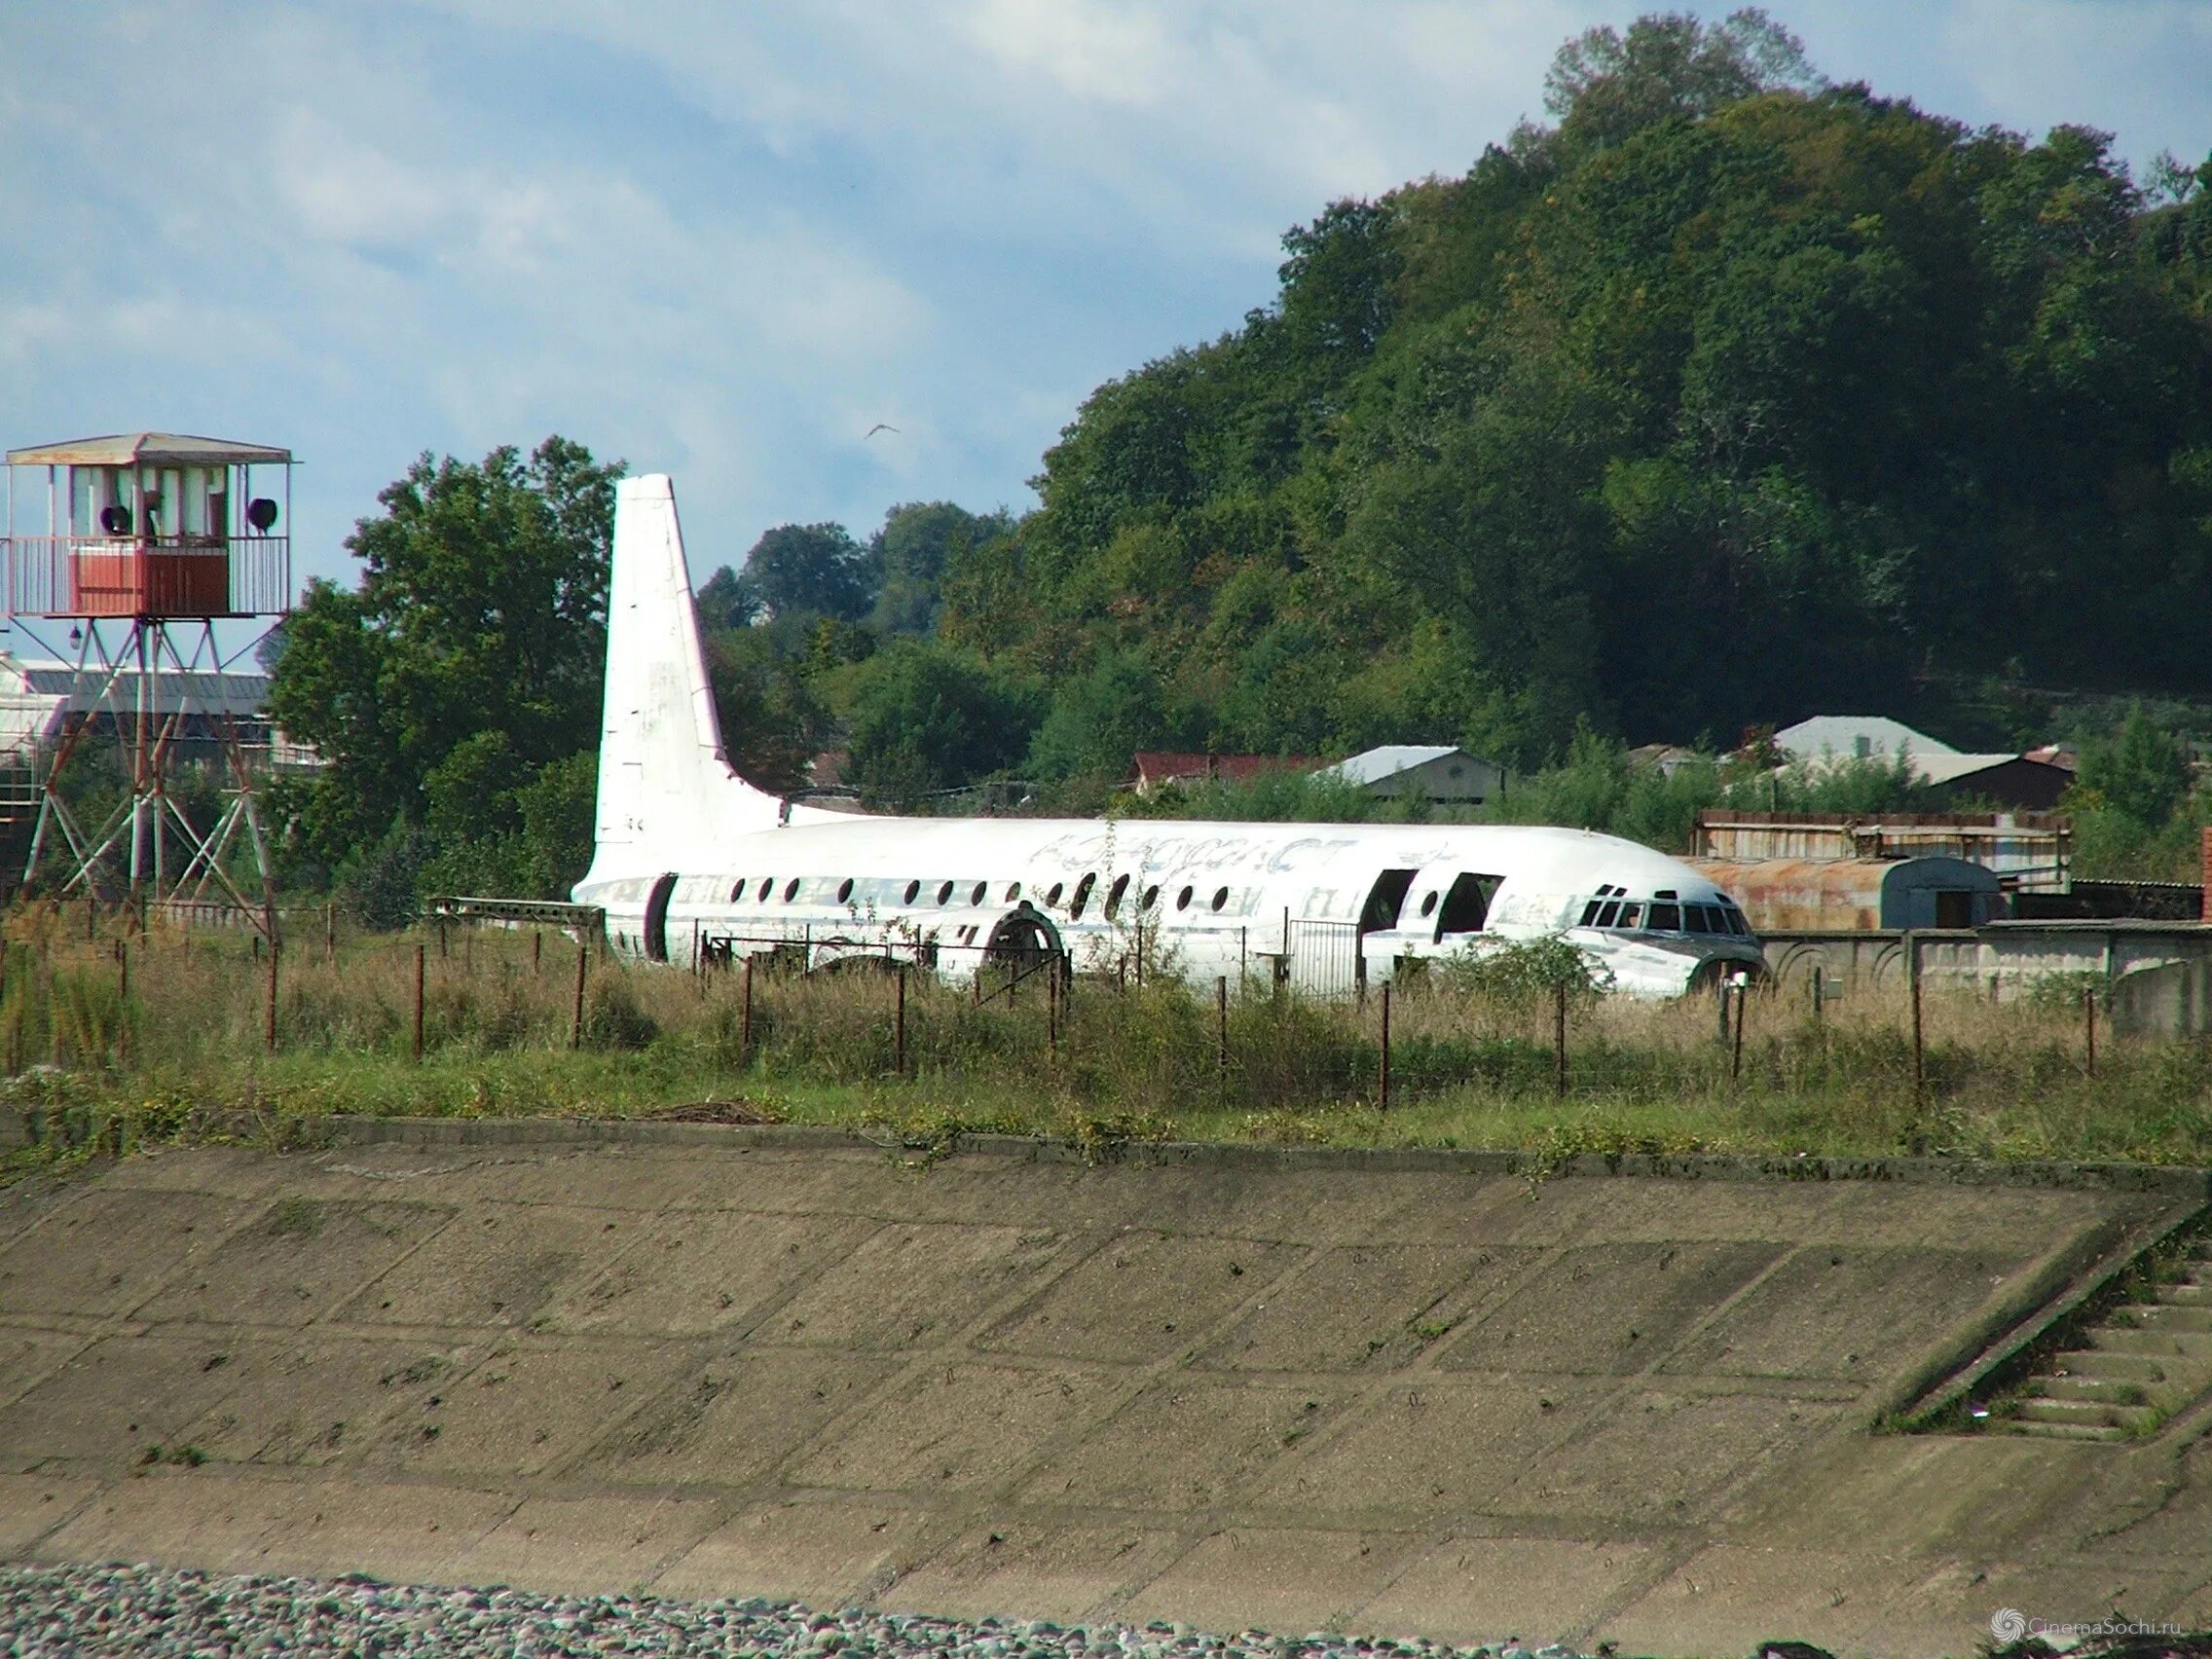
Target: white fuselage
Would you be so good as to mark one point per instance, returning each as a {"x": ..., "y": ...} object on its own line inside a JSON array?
[{"x": 691, "y": 861}]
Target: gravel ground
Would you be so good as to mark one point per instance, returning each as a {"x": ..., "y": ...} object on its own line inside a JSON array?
[{"x": 142, "y": 1610}]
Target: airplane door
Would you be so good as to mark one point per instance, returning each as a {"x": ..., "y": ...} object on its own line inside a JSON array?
[{"x": 656, "y": 919}]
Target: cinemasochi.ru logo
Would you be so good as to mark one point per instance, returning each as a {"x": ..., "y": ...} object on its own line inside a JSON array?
[{"x": 2009, "y": 1624}]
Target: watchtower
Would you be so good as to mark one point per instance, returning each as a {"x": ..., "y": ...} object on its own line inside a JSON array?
[{"x": 150, "y": 539}]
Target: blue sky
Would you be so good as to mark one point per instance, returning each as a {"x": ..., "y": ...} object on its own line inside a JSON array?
[{"x": 724, "y": 241}]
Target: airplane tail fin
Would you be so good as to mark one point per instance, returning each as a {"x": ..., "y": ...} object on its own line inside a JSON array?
[{"x": 666, "y": 792}]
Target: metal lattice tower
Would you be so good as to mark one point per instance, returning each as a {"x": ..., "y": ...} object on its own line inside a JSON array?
[{"x": 150, "y": 539}]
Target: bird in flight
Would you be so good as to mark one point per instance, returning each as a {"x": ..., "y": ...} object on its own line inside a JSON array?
[{"x": 879, "y": 427}]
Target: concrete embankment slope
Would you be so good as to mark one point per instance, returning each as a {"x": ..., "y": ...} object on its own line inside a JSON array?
[{"x": 1410, "y": 1395}]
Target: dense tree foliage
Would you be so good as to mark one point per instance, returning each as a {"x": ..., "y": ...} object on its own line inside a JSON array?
[
  {"x": 465, "y": 664},
  {"x": 1730, "y": 398}
]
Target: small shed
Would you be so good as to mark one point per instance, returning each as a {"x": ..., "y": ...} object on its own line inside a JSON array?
[
  {"x": 1434, "y": 772},
  {"x": 1855, "y": 895}
]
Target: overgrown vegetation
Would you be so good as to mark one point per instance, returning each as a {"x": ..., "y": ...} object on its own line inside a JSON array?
[{"x": 1472, "y": 1057}]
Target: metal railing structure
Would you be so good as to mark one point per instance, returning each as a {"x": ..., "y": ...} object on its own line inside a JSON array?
[{"x": 171, "y": 575}]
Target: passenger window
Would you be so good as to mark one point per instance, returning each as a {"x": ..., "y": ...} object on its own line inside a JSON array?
[
  {"x": 1666, "y": 918},
  {"x": 1052, "y": 895},
  {"x": 1183, "y": 899},
  {"x": 791, "y": 890},
  {"x": 913, "y": 888},
  {"x": 1429, "y": 903},
  {"x": 737, "y": 890},
  {"x": 1114, "y": 896},
  {"x": 944, "y": 893},
  {"x": 768, "y": 886},
  {"x": 979, "y": 893},
  {"x": 1466, "y": 908},
  {"x": 1152, "y": 898},
  {"x": 1220, "y": 897},
  {"x": 845, "y": 891},
  {"x": 1012, "y": 891},
  {"x": 1082, "y": 896}
]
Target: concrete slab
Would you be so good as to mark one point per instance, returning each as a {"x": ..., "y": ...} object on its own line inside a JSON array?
[
  {"x": 1287, "y": 1581},
  {"x": 1608, "y": 1309},
  {"x": 1578, "y": 1210},
  {"x": 699, "y": 1272},
  {"x": 1657, "y": 1459},
  {"x": 28, "y": 1353},
  {"x": 1729, "y": 1599},
  {"x": 119, "y": 1397},
  {"x": 316, "y": 1399},
  {"x": 735, "y": 1422},
  {"x": 1473, "y": 1588},
  {"x": 913, "y": 1286},
  {"x": 1206, "y": 1440},
  {"x": 857, "y": 1181},
  {"x": 1843, "y": 1311},
  {"x": 34, "y": 1505},
  {"x": 585, "y": 1545},
  {"x": 1371, "y": 1307},
  {"x": 1950, "y": 1609},
  {"x": 1968, "y": 1497},
  {"x": 518, "y": 1411},
  {"x": 104, "y": 1252},
  {"x": 222, "y": 1520},
  {"x": 958, "y": 1428},
  {"x": 1431, "y": 1449},
  {"x": 500, "y": 1265},
  {"x": 1140, "y": 1295},
  {"x": 823, "y": 1549},
  {"x": 1025, "y": 1569},
  {"x": 406, "y": 1532},
  {"x": 297, "y": 1260}
]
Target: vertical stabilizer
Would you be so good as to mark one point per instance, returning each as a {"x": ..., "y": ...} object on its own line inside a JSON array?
[{"x": 666, "y": 791}]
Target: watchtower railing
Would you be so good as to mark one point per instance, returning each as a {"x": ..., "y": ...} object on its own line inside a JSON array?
[{"x": 148, "y": 576}]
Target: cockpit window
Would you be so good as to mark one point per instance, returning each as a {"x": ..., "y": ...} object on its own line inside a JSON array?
[
  {"x": 1665, "y": 918},
  {"x": 1608, "y": 914},
  {"x": 1631, "y": 916}
]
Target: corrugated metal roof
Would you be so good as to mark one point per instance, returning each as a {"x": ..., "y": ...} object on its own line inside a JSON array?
[
  {"x": 1876, "y": 736},
  {"x": 1387, "y": 761},
  {"x": 148, "y": 448}
]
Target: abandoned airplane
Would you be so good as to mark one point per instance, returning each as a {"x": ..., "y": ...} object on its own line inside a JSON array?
[{"x": 692, "y": 863}]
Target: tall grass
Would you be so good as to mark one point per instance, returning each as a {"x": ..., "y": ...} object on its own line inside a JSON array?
[{"x": 1472, "y": 1062}]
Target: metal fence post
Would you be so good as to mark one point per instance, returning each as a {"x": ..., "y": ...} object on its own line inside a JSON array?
[
  {"x": 1221, "y": 1031},
  {"x": 899, "y": 1055},
  {"x": 1384, "y": 1096},
  {"x": 2090, "y": 1025},
  {"x": 1559, "y": 1041},
  {"x": 1912, "y": 985},
  {"x": 745, "y": 1018},
  {"x": 268, "y": 1019},
  {"x": 1735, "y": 1057},
  {"x": 420, "y": 952},
  {"x": 576, "y": 1017}
]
